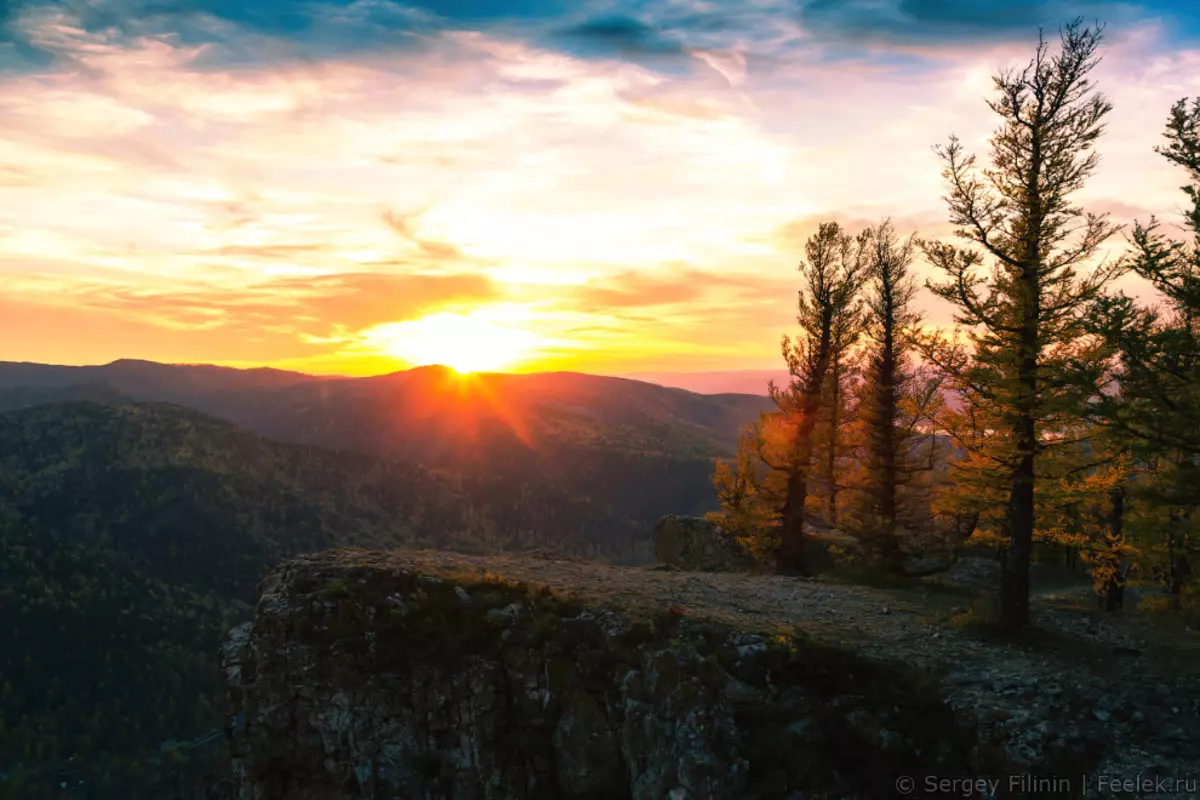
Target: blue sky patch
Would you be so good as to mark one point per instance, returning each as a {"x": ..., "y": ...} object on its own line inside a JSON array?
[{"x": 652, "y": 34}]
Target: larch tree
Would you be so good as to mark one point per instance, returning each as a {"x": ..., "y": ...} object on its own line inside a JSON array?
[
  {"x": 1024, "y": 316},
  {"x": 1153, "y": 401},
  {"x": 887, "y": 430},
  {"x": 827, "y": 308},
  {"x": 1157, "y": 349},
  {"x": 750, "y": 491},
  {"x": 921, "y": 406},
  {"x": 1082, "y": 494},
  {"x": 969, "y": 497},
  {"x": 833, "y": 444},
  {"x": 764, "y": 491}
]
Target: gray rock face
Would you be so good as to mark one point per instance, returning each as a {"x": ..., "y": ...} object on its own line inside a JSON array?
[
  {"x": 393, "y": 676},
  {"x": 695, "y": 544}
]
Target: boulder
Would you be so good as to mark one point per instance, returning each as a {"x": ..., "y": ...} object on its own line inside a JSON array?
[
  {"x": 981, "y": 573},
  {"x": 696, "y": 544}
]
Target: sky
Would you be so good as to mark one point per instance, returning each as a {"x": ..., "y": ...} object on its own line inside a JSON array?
[{"x": 610, "y": 186}]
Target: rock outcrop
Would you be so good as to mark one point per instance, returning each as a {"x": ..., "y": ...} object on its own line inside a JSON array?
[
  {"x": 696, "y": 544},
  {"x": 425, "y": 675}
]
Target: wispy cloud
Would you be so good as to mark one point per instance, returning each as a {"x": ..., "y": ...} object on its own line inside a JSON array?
[{"x": 269, "y": 182}]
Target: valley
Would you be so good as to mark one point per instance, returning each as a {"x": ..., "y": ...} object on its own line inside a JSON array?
[{"x": 135, "y": 525}]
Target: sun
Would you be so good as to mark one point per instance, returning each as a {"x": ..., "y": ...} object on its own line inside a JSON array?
[{"x": 463, "y": 342}]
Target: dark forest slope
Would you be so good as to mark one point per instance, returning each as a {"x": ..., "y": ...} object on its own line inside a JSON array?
[
  {"x": 172, "y": 485},
  {"x": 642, "y": 450},
  {"x": 132, "y": 536}
]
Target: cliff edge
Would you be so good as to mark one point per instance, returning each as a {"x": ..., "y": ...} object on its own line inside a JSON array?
[{"x": 423, "y": 675}]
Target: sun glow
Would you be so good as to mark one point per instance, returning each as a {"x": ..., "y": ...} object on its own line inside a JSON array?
[{"x": 463, "y": 342}]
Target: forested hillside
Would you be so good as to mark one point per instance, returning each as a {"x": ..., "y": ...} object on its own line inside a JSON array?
[
  {"x": 17, "y": 397},
  {"x": 134, "y": 535},
  {"x": 101, "y": 663},
  {"x": 641, "y": 449}
]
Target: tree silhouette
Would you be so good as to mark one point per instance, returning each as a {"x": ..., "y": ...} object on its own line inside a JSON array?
[{"x": 1024, "y": 318}]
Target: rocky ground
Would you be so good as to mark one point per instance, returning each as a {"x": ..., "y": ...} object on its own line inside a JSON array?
[
  {"x": 1085, "y": 698},
  {"x": 1124, "y": 686}
]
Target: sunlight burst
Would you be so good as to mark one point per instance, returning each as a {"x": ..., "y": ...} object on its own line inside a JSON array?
[{"x": 463, "y": 342}]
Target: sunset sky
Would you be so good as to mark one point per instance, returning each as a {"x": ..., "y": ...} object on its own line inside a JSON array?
[{"x": 613, "y": 186}]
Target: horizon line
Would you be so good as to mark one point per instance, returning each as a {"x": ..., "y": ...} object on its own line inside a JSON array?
[{"x": 641, "y": 376}]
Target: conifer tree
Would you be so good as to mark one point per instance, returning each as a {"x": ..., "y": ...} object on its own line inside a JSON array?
[
  {"x": 1024, "y": 318},
  {"x": 774, "y": 470},
  {"x": 1082, "y": 492},
  {"x": 886, "y": 448},
  {"x": 833, "y": 442},
  {"x": 1153, "y": 398},
  {"x": 751, "y": 491},
  {"x": 1155, "y": 395},
  {"x": 827, "y": 312}
]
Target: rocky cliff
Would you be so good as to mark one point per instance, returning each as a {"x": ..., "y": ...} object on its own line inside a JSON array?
[{"x": 422, "y": 675}]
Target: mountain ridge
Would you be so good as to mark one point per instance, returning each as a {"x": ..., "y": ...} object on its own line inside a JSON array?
[
  {"x": 11, "y": 373},
  {"x": 641, "y": 449}
]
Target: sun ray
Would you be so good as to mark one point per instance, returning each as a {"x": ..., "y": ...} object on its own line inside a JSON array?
[{"x": 505, "y": 410}]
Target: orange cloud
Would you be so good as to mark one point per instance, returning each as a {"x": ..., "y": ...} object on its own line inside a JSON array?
[
  {"x": 675, "y": 287},
  {"x": 158, "y": 204},
  {"x": 81, "y": 335},
  {"x": 313, "y": 305}
]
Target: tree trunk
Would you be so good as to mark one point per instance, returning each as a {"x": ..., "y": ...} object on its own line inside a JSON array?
[
  {"x": 790, "y": 557},
  {"x": 1116, "y": 519},
  {"x": 887, "y": 414},
  {"x": 1174, "y": 573},
  {"x": 1014, "y": 583},
  {"x": 831, "y": 461}
]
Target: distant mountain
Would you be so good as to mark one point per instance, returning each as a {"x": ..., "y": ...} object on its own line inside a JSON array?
[
  {"x": 141, "y": 502},
  {"x": 133, "y": 535},
  {"x": 26, "y": 396},
  {"x": 145, "y": 378},
  {"x": 746, "y": 381},
  {"x": 640, "y": 449},
  {"x": 205, "y": 503}
]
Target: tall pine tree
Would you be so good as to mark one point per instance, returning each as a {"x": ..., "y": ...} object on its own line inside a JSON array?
[
  {"x": 1024, "y": 317},
  {"x": 827, "y": 305},
  {"x": 1153, "y": 400},
  {"x": 834, "y": 445},
  {"x": 774, "y": 471},
  {"x": 1155, "y": 396},
  {"x": 887, "y": 437}
]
